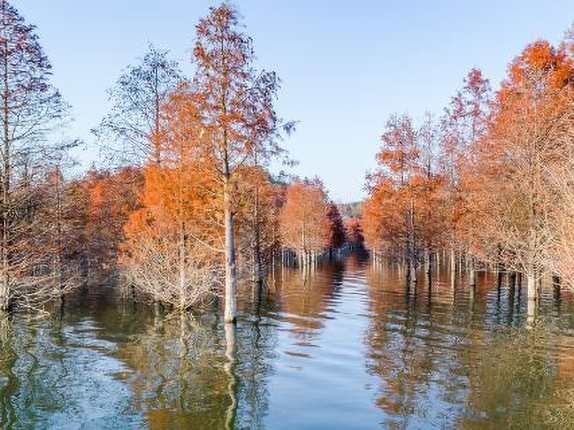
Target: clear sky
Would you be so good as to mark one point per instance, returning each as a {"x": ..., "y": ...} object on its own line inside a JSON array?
[{"x": 345, "y": 65}]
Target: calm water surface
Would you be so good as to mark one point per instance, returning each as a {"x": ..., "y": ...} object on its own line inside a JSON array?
[{"x": 346, "y": 346}]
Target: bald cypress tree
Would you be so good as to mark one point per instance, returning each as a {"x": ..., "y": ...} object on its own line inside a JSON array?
[
  {"x": 30, "y": 107},
  {"x": 133, "y": 132},
  {"x": 239, "y": 117}
]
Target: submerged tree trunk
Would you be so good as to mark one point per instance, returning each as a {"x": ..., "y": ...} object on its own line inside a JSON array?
[
  {"x": 412, "y": 275},
  {"x": 530, "y": 313},
  {"x": 531, "y": 286},
  {"x": 5, "y": 293},
  {"x": 230, "y": 355},
  {"x": 427, "y": 262},
  {"x": 471, "y": 273},
  {"x": 257, "y": 257},
  {"x": 556, "y": 287},
  {"x": 182, "y": 258}
]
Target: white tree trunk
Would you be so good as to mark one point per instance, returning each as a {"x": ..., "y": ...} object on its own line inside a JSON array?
[
  {"x": 230, "y": 315},
  {"x": 531, "y": 287},
  {"x": 4, "y": 295}
]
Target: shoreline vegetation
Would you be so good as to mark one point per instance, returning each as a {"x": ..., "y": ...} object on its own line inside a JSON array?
[
  {"x": 411, "y": 300},
  {"x": 488, "y": 184},
  {"x": 185, "y": 204}
]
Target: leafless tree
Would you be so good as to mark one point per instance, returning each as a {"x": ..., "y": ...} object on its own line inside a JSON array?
[
  {"x": 30, "y": 109},
  {"x": 133, "y": 132}
]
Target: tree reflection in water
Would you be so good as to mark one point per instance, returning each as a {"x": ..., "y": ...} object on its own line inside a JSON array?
[
  {"x": 8, "y": 381},
  {"x": 197, "y": 372},
  {"x": 522, "y": 380},
  {"x": 345, "y": 345},
  {"x": 482, "y": 362},
  {"x": 307, "y": 297}
]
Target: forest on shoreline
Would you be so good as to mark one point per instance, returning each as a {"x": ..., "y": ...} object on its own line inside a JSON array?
[
  {"x": 185, "y": 205},
  {"x": 487, "y": 184}
]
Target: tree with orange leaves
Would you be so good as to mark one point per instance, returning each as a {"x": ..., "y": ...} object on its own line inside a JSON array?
[
  {"x": 110, "y": 199},
  {"x": 238, "y": 115},
  {"x": 354, "y": 233},
  {"x": 170, "y": 254},
  {"x": 304, "y": 222},
  {"x": 391, "y": 208},
  {"x": 530, "y": 137},
  {"x": 381, "y": 218},
  {"x": 464, "y": 124},
  {"x": 174, "y": 241},
  {"x": 257, "y": 221},
  {"x": 404, "y": 213}
]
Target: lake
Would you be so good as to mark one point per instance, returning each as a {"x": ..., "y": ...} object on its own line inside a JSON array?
[{"x": 342, "y": 346}]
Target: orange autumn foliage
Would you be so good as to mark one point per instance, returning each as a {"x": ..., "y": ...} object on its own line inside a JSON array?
[
  {"x": 172, "y": 251},
  {"x": 304, "y": 223},
  {"x": 354, "y": 233},
  {"x": 403, "y": 211}
]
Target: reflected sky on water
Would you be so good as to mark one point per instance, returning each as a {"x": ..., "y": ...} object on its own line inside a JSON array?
[{"x": 344, "y": 346}]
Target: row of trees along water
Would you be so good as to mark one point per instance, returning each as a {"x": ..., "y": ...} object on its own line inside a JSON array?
[
  {"x": 185, "y": 205},
  {"x": 489, "y": 183}
]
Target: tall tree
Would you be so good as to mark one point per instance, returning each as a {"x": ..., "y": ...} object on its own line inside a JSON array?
[
  {"x": 304, "y": 222},
  {"x": 172, "y": 245},
  {"x": 336, "y": 227},
  {"x": 133, "y": 132},
  {"x": 30, "y": 107},
  {"x": 530, "y": 135},
  {"x": 465, "y": 123},
  {"x": 56, "y": 214},
  {"x": 236, "y": 102},
  {"x": 399, "y": 168}
]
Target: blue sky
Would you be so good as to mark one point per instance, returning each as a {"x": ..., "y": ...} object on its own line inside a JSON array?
[{"x": 345, "y": 65}]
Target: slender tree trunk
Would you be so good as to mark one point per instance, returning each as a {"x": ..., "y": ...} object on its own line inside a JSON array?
[
  {"x": 531, "y": 286},
  {"x": 257, "y": 266},
  {"x": 556, "y": 286},
  {"x": 512, "y": 280},
  {"x": 411, "y": 274},
  {"x": 230, "y": 262},
  {"x": 182, "y": 264},
  {"x": 59, "y": 240},
  {"x": 531, "y": 305},
  {"x": 5, "y": 293},
  {"x": 438, "y": 267},
  {"x": 427, "y": 259},
  {"x": 471, "y": 272}
]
